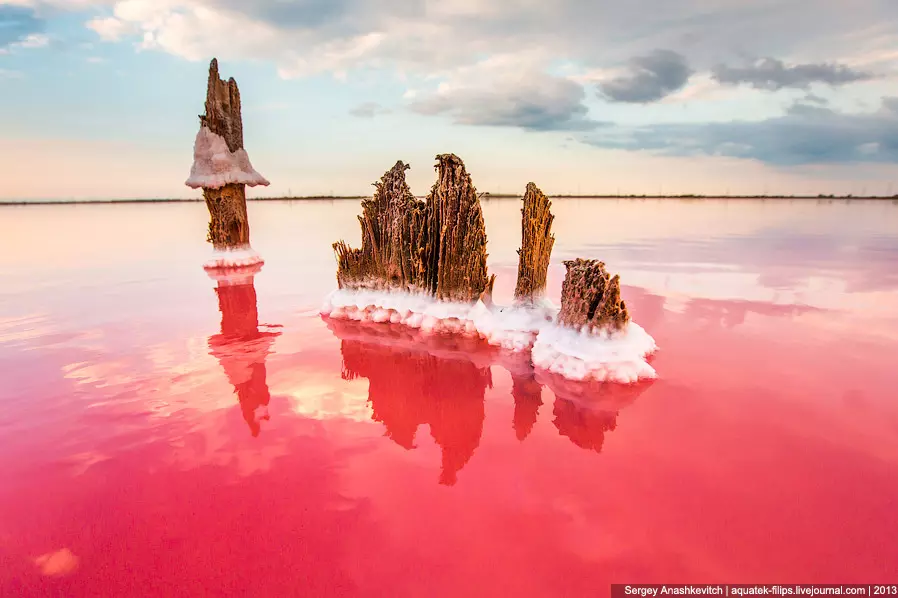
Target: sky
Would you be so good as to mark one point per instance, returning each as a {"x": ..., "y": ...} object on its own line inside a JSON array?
[{"x": 100, "y": 98}]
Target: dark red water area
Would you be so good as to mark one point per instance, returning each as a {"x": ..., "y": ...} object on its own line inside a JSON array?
[{"x": 166, "y": 434}]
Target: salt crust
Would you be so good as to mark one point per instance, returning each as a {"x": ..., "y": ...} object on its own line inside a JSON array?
[
  {"x": 618, "y": 356},
  {"x": 215, "y": 166},
  {"x": 238, "y": 258}
]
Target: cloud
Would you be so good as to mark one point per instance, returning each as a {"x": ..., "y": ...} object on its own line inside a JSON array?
[
  {"x": 773, "y": 74},
  {"x": 19, "y": 26},
  {"x": 33, "y": 40},
  {"x": 508, "y": 91},
  {"x": 815, "y": 99},
  {"x": 649, "y": 79},
  {"x": 368, "y": 110},
  {"x": 110, "y": 29},
  {"x": 304, "y": 37},
  {"x": 805, "y": 134},
  {"x": 890, "y": 104}
]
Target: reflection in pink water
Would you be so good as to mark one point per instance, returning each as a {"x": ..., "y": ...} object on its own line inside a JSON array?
[
  {"x": 160, "y": 439},
  {"x": 242, "y": 348},
  {"x": 441, "y": 381}
]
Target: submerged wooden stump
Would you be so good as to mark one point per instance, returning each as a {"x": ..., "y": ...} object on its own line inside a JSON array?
[
  {"x": 437, "y": 247},
  {"x": 590, "y": 297},
  {"x": 536, "y": 245}
]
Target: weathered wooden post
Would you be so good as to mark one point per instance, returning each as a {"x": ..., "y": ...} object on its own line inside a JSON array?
[
  {"x": 590, "y": 298},
  {"x": 437, "y": 247},
  {"x": 455, "y": 253},
  {"x": 221, "y": 168},
  {"x": 392, "y": 223},
  {"x": 536, "y": 246}
]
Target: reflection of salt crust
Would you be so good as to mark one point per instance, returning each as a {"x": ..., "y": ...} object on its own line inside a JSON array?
[
  {"x": 234, "y": 275},
  {"x": 512, "y": 328},
  {"x": 604, "y": 357},
  {"x": 618, "y": 356},
  {"x": 233, "y": 258},
  {"x": 215, "y": 166}
]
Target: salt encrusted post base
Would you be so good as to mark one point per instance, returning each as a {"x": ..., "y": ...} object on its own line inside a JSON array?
[{"x": 228, "y": 226}]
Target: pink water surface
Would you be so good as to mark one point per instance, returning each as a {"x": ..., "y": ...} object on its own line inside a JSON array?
[{"x": 163, "y": 435}]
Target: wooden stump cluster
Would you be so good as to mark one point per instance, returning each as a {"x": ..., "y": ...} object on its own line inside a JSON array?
[{"x": 438, "y": 246}]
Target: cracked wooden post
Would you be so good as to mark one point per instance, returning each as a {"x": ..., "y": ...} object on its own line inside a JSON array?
[
  {"x": 437, "y": 247},
  {"x": 591, "y": 298},
  {"x": 221, "y": 165},
  {"x": 456, "y": 236},
  {"x": 392, "y": 251},
  {"x": 536, "y": 245}
]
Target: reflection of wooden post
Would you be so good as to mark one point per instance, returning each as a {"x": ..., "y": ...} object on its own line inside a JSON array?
[
  {"x": 221, "y": 165},
  {"x": 536, "y": 245},
  {"x": 590, "y": 297},
  {"x": 527, "y": 394},
  {"x": 584, "y": 427},
  {"x": 241, "y": 348},
  {"x": 437, "y": 246},
  {"x": 407, "y": 388}
]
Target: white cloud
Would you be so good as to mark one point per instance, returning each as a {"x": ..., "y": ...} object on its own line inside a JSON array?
[
  {"x": 312, "y": 36},
  {"x": 33, "y": 40},
  {"x": 508, "y": 90},
  {"x": 110, "y": 29}
]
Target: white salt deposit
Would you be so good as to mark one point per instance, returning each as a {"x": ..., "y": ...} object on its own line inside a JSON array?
[
  {"x": 604, "y": 357},
  {"x": 612, "y": 357},
  {"x": 242, "y": 257},
  {"x": 215, "y": 166}
]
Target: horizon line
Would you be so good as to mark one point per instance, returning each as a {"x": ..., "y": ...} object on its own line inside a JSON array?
[{"x": 484, "y": 195}]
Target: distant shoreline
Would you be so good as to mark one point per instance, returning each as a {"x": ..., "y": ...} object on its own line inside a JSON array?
[{"x": 483, "y": 196}]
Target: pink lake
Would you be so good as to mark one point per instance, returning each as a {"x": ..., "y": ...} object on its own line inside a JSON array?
[{"x": 161, "y": 437}]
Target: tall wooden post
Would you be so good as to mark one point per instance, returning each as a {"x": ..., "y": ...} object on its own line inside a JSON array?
[{"x": 221, "y": 165}]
